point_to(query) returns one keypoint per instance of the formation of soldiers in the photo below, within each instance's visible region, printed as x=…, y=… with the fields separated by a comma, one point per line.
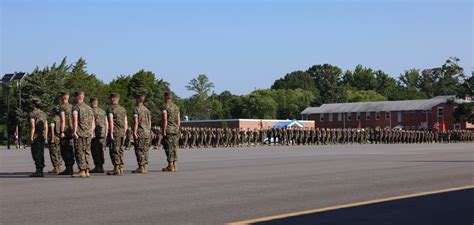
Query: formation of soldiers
x=201, y=137
x=74, y=132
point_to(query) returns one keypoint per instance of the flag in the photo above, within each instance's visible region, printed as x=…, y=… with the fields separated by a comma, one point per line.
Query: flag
x=359, y=125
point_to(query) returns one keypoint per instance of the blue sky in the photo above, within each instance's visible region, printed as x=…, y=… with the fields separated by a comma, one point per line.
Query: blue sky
x=240, y=45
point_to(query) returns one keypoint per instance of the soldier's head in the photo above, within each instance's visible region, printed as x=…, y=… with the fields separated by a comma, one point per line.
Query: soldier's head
x=64, y=96
x=35, y=103
x=168, y=97
x=94, y=102
x=114, y=98
x=139, y=99
x=79, y=96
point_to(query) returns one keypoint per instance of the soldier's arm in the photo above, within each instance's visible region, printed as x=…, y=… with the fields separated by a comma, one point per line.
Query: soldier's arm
x=52, y=132
x=45, y=133
x=62, y=120
x=165, y=122
x=110, y=121
x=106, y=126
x=32, y=129
x=74, y=123
x=126, y=123
x=135, y=125
x=93, y=127
x=179, y=120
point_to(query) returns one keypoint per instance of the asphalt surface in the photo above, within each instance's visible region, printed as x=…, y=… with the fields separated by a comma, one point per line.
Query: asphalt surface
x=218, y=186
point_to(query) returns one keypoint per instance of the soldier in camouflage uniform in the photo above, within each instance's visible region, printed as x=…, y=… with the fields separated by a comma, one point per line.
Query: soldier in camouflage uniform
x=54, y=146
x=67, y=144
x=38, y=136
x=117, y=119
x=98, y=141
x=83, y=130
x=141, y=133
x=171, y=124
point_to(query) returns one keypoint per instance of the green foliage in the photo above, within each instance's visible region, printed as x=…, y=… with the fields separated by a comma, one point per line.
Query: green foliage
x=260, y=104
x=200, y=106
x=297, y=80
x=364, y=96
x=464, y=113
x=328, y=80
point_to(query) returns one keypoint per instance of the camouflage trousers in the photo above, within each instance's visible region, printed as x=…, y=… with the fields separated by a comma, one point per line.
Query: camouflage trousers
x=37, y=152
x=142, y=145
x=82, y=150
x=55, y=153
x=97, y=149
x=116, y=151
x=67, y=151
x=171, y=146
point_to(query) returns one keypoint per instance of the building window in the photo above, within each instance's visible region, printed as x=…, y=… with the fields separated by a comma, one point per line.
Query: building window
x=339, y=117
x=457, y=126
x=349, y=116
x=358, y=116
x=330, y=117
x=399, y=116
x=387, y=115
x=321, y=118
x=377, y=115
x=440, y=111
x=367, y=116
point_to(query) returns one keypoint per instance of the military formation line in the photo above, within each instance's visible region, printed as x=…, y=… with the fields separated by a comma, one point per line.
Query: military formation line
x=75, y=132
x=201, y=137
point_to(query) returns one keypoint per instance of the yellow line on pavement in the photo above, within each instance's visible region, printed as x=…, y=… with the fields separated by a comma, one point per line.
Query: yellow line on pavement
x=286, y=215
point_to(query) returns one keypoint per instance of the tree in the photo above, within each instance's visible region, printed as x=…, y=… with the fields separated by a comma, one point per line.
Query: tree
x=198, y=105
x=292, y=102
x=444, y=80
x=364, y=96
x=260, y=104
x=361, y=78
x=297, y=80
x=464, y=113
x=327, y=79
x=146, y=83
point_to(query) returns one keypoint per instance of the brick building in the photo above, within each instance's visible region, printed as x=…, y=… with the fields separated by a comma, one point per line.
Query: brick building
x=241, y=123
x=408, y=114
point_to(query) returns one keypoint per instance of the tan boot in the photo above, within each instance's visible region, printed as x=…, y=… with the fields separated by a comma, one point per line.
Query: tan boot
x=56, y=170
x=68, y=171
x=97, y=169
x=88, y=173
x=38, y=173
x=140, y=169
x=80, y=174
x=145, y=168
x=121, y=169
x=174, y=167
x=169, y=168
x=115, y=172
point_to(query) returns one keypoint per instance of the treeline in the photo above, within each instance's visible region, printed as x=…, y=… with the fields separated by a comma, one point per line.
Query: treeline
x=286, y=98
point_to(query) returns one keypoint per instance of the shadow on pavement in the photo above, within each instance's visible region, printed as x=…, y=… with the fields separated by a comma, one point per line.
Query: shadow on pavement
x=454, y=207
x=27, y=175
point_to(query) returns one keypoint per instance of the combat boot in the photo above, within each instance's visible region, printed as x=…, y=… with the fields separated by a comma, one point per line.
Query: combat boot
x=97, y=169
x=56, y=170
x=87, y=173
x=80, y=174
x=68, y=171
x=169, y=168
x=115, y=172
x=140, y=169
x=145, y=168
x=174, y=169
x=38, y=173
x=121, y=169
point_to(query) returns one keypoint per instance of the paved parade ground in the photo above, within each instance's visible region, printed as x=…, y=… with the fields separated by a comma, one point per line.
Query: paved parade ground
x=426, y=183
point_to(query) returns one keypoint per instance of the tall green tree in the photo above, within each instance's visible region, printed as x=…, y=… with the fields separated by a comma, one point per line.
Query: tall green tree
x=328, y=80
x=260, y=104
x=198, y=105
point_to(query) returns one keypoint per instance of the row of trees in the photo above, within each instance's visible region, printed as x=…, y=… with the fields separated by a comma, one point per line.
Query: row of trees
x=286, y=98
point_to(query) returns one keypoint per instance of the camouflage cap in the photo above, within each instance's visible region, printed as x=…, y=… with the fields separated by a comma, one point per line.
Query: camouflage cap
x=77, y=93
x=114, y=95
x=35, y=100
